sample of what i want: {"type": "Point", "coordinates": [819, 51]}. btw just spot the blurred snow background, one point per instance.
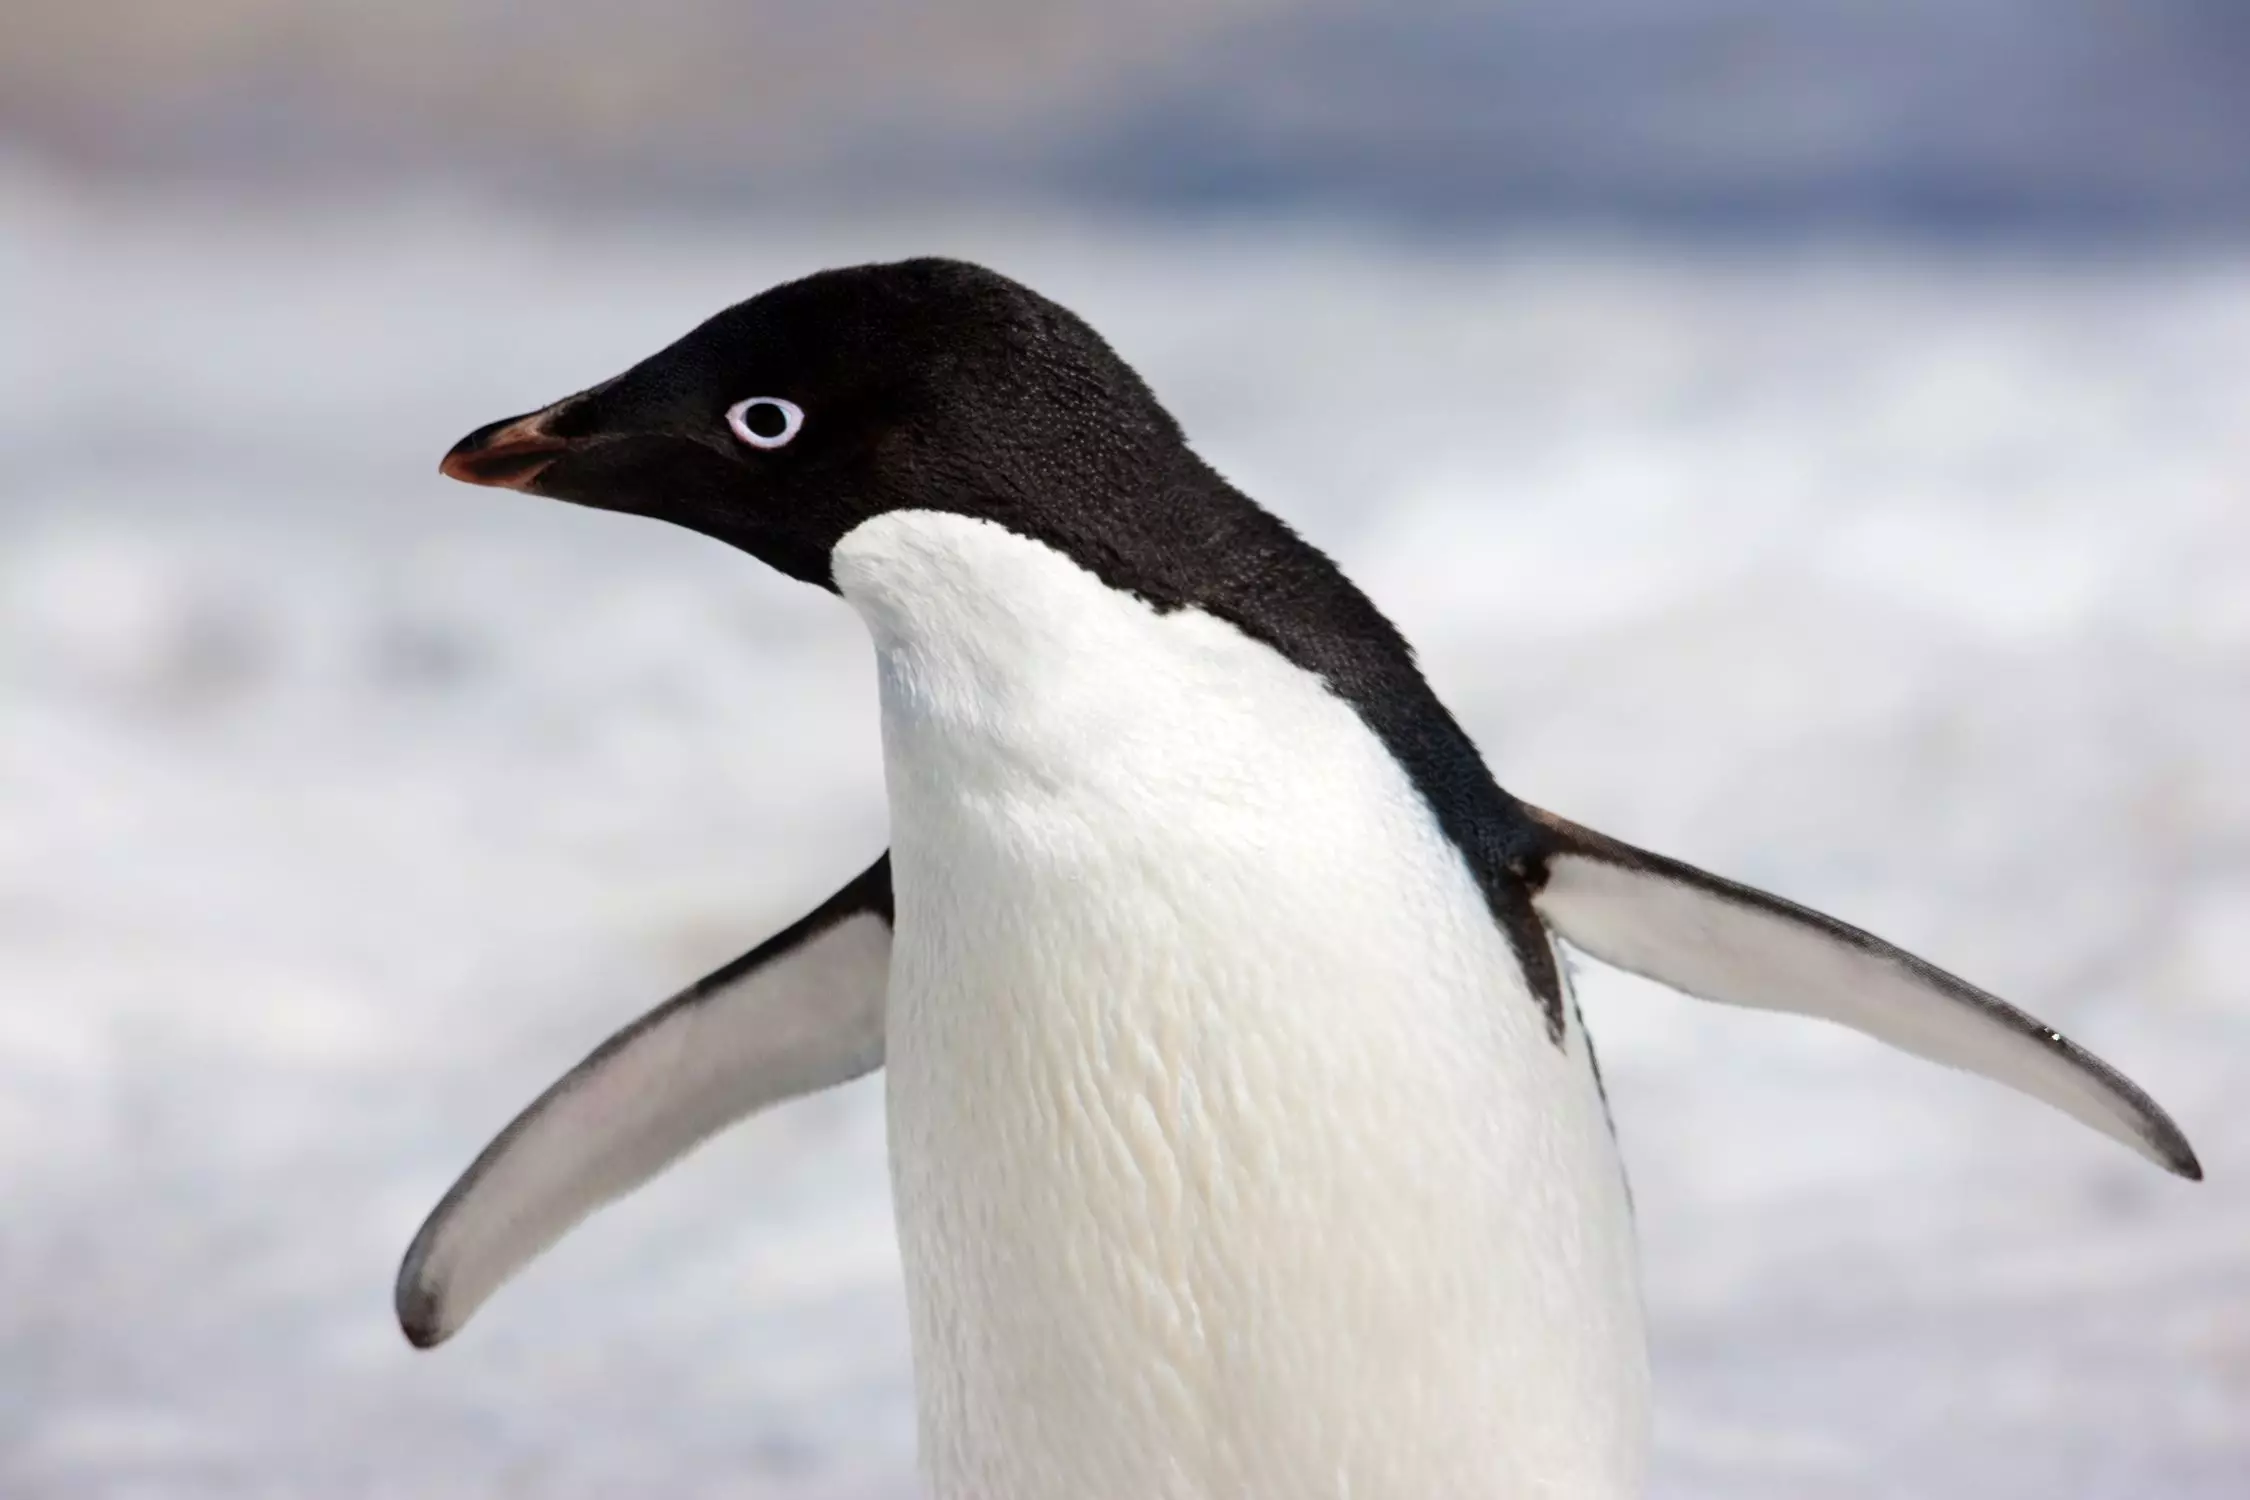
{"type": "Point", "coordinates": [1809, 438]}
{"type": "Point", "coordinates": [341, 808]}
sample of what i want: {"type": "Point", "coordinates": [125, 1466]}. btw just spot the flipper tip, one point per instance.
{"type": "Point", "coordinates": [421, 1315]}
{"type": "Point", "coordinates": [2179, 1156]}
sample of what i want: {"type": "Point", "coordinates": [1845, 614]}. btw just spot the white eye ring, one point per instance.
{"type": "Point", "coordinates": [738, 420]}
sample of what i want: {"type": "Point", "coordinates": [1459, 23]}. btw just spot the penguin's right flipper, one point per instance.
{"type": "Point", "coordinates": [800, 1012]}
{"type": "Point", "coordinates": [1717, 940]}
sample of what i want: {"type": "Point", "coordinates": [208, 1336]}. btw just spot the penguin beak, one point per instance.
{"type": "Point", "coordinates": [508, 454]}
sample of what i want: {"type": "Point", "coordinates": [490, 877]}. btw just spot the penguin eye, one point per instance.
{"type": "Point", "coordinates": [765, 421]}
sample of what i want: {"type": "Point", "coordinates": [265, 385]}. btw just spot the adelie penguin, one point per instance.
{"type": "Point", "coordinates": [1244, 1138]}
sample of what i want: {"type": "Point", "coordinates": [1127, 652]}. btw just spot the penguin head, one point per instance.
{"type": "Point", "coordinates": [785, 421]}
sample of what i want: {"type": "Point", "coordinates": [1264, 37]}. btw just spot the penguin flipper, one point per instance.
{"type": "Point", "coordinates": [800, 1012]}
{"type": "Point", "coordinates": [1717, 940]}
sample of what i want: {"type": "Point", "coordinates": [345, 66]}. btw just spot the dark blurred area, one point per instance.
{"type": "Point", "coordinates": [1978, 115]}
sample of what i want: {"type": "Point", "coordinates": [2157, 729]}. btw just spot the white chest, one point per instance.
{"type": "Point", "coordinates": [1231, 1157]}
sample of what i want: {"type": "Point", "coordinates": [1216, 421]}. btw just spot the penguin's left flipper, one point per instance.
{"type": "Point", "coordinates": [802, 1011]}
{"type": "Point", "coordinates": [1717, 940]}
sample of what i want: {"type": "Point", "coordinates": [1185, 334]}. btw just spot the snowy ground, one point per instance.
{"type": "Point", "coordinates": [340, 809]}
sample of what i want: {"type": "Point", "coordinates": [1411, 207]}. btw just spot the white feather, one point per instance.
{"type": "Point", "coordinates": [1231, 1154]}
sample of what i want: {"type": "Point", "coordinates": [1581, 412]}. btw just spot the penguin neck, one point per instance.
{"type": "Point", "coordinates": [982, 628]}
{"type": "Point", "coordinates": [994, 651]}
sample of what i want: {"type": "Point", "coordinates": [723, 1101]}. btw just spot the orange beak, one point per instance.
{"type": "Point", "coordinates": [508, 454]}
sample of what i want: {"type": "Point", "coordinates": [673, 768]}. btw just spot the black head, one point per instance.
{"type": "Point", "coordinates": [785, 421]}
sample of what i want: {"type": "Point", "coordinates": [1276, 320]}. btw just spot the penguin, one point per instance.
{"type": "Point", "coordinates": [1245, 1139]}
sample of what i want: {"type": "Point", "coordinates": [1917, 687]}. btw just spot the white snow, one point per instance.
{"type": "Point", "coordinates": [342, 808]}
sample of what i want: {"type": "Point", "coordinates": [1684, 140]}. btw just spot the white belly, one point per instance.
{"type": "Point", "coordinates": [1232, 1158]}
